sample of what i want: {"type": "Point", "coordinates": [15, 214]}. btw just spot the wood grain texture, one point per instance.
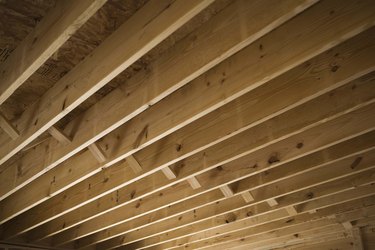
{"type": "Point", "coordinates": [89, 76]}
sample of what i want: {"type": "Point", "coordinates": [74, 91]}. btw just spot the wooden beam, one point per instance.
{"type": "Point", "coordinates": [8, 127]}
{"type": "Point", "coordinates": [222, 207]}
{"type": "Point", "coordinates": [169, 173]}
{"type": "Point", "coordinates": [97, 152]}
{"type": "Point", "coordinates": [288, 78]}
{"type": "Point", "coordinates": [323, 239]}
{"type": "Point", "coordinates": [235, 150]}
{"type": "Point", "coordinates": [252, 115]}
{"type": "Point", "coordinates": [301, 182]}
{"type": "Point", "coordinates": [229, 231]}
{"type": "Point", "coordinates": [194, 183]}
{"type": "Point", "coordinates": [250, 122]}
{"type": "Point", "coordinates": [59, 135]}
{"type": "Point", "coordinates": [48, 36]}
{"type": "Point", "coordinates": [286, 184]}
{"type": "Point", "coordinates": [227, 191]}
{"type": "Point", "coordinates": [158, 19]}
{"type": "Point", "coordinates": [297, 231]}
{"type": "Point", "coordinates": [134, 164]}
{"type": "Point", "coordinates": [173, 64]}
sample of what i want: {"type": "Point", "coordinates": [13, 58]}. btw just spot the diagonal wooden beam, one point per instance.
{"type": "Point", "coordinates": [251, 234]}
{"type": "Point", "coordinates": [129, 226]}
{"type": "Point", "coordinates": [111, 217]}
{"type": "Point", "coordinates": [254, 117]}
{"type": "Point", "coordinates": [322, 101]}
{"type": "Point", "coordinates": [157, 19]}
{"type": "Point", "coordinates": [167, 73]}
{"type": "Point", "coordinates": [54, 30]}
{"type": "Point", "coordinates": [205, 224]}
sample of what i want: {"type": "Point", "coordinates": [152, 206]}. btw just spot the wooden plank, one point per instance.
{"type": "Point", "coordinates": [97, 152]}
{"type": "Point", "coordinates": [228, 231]}
{"type": "Point", "coordinates": [193, 166]}
{"type": "Point", "coordinates": [242, 186]}
{"type": "Point", "coordinates": [157, 19]}
{"type": "Point", "coordinates": [169, 173]}
{"type": "Point", "coordinates": [233, 231]}
{"type": "Point", "coordinates": [193, 182]}
{"type": "Point", "coordinates": [134, 164]}
{"type": "Point", "coordinates": [361, 56]}
{"type": "Point", "coordinates": [298, 232]}
{"type": "Point", "coordinates": [59, 135]}
{"type": "Point", "coordinates": [8, 127]}
{"type": "Point", "coordinates": [302, 181]}
{"type": "Point", "coordinates": [49, 35]}
{"type": "Point", "coordinates": [224, 206]}
{"type": "Point", "coordinates": [327, 240]}
{"type": "Point", "coordinates": [124, 182]}
{"type": "Point", "coordinates": [168, 73]}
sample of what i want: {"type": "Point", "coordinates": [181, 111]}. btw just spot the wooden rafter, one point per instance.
{"type": "Point", "coordinates": [255, 130]}
{"type": "Point", "coordinates": [250, 134]}
{"type": "Point", "coordinates": [366, 63]}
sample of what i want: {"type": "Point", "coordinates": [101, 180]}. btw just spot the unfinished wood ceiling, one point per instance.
{"type": "Point", "coordinates": [187, 124]}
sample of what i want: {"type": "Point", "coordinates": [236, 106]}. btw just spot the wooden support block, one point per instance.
{"type": "Point", "coordinates": [134, 164]}
{"type": "Point", "coordinates": [8, 128]}
{"type": "Point", "coordinates": [247, 196]}
{"type": "Point", "coordinates": [272, 202]}
{"type": "Point", "coordinates": [347, 225]}
{"type": "Point", "coordinates": [97, 152]}
{"type": "Point", "coordinates": [59, 135]}
{"type": "Point", "coordinates": [168, 172]}
{"type": "Point", "coordinates": [227, 191]}
{"type": "Point", "coordinates": [291, 210]}
{"type": "Point", "coordinates": [194, 183]}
